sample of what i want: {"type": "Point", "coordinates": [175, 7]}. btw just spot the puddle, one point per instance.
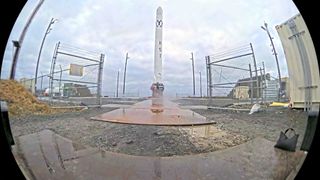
{"type": "Point", "coordinates": [203, 131]}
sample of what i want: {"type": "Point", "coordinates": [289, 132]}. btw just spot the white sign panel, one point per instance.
{"type": "Point", "coordinates": [76, 70]}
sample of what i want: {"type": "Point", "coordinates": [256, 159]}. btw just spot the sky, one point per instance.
{"type": "Point", "coordinates": [117, 27]}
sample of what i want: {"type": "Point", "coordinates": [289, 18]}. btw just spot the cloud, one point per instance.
{"type": "Point", "coordinates": [117, 27]}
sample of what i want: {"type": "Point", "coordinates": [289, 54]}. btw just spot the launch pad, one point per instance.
{"type": "Point", "coordinates": [149, 113]}
{"type": "Point", "coordinates": [157, 110]}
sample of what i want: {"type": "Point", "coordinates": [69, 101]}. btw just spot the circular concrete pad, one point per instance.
{"type": "Point", "coordinates": [145, 113]}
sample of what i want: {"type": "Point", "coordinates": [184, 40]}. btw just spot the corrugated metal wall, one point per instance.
{"type": "Point", "coordinates": [302, 62]}
{"type": "Point", "coordinates": [271, 91]}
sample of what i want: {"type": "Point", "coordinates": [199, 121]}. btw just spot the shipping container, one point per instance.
{"type": "Point", "coordinates": [301, 61]}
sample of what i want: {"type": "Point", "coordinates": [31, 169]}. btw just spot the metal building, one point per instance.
{"type": "Point", "coordinates": [302, 62]}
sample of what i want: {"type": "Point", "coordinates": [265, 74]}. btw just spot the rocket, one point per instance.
{"type": "Point", "coordinates": [158, 47]}
{"type": "Point", "coordinates": [157, 86]}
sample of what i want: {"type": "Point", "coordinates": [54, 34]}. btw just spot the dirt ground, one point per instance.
{"type": "Point", "coordinates": [21, 102]}
{"type": "Point", "coordinates": [268, 123]}
{"type": "Point", "coordinates": [231, 128]}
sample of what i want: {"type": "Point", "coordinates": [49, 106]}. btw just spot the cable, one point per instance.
{"type": "Point", "coordinates": [94, 55]}
{"type": "Point", "coordinates": [80, 49]}
{"type": "Point", "coordinates": [232, 50]}
{"type": "Point", "coordinates": [85, 55]}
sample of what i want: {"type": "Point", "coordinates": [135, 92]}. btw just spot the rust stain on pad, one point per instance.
{"type": "Point", "coordinates": [146, 113]}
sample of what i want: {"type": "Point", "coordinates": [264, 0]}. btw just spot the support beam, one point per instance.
{"type": "Point", "coordinates": [234, 57]}
{"type": "Point", "coordinates": [124, 75]}
{"type": "Point", "coordinates": [209, 77]}
{"type": "Point", "coordinates": [193, 78]}
{"type": "Point", "coordinates": [232, 67]}
{"type": "Point", "coordinates": [67, 80]}
{"type": "Point", "coordinates": [200, 89]}
{"type": "Point", "coordinates": [99, 81]}
{"type": "Point", "coordinates": [235, 82]}
{"type": "Point", "coordinates": [256, 71]}
{"type": "Point", "coordinates": [81, 57]}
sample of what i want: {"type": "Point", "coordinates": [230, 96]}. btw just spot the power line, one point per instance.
{"type": "Point", "coordinates": [233, 48]}
{"type": "Point", "coordinates": [231, 52]}
{"type": "Point", "coordinates": [80, 51]}
{"type": "Point", "coordinates": [77, 48]}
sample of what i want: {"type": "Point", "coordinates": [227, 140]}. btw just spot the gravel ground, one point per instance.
{"type": "Point", "coordinates": [129, 139]}
{"type": "Point", "coordinates": [204, 101]}
{"type": "Point", "coordinates": [267, 123]}
{"type": "Point", "coordinates": [232, 128]}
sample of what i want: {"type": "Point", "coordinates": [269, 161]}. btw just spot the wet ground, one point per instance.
{"type": "Point", "coordinates": [47, 155]}
{"type": "Point", "coordinates": [123, 138]}
{"type": "Point", "coordinates": [231, 128]}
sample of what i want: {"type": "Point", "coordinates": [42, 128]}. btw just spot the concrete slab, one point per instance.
{"type": "Point", "coordinates": [147, 114]}
{"type": "Point", "coordinates": [42, 157]}
{"type": "Point", "coordinates": [257, 159]}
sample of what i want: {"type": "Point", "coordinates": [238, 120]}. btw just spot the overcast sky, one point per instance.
{"type": "Point", "coordinates": [115, 27]}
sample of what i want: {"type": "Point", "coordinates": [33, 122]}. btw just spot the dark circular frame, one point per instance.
{"type": "Point", "coordinates": [12, 9]}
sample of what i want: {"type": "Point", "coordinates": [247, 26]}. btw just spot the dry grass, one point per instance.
{"type": "Point", "coordinates": [21, 102]}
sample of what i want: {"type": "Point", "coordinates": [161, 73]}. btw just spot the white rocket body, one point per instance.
{"type": "Point", "coordinates": [158, 48]}
{"type": "Point", "coordinates": [157, 86]}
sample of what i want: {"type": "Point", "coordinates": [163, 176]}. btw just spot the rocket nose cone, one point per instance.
{"type": "Point", "coordinates": [159, 10]}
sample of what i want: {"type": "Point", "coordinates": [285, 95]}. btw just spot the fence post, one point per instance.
{"type": "Point", "coordinates": [251, 84]}
{"type": "Point", "coordinates": [100, 80]}
{"type": "Point", "coordinates": [256, 73]}
{"type": "Point", "coordinates": [207, 74]}
{"type": "Point", "coordinates": [261, 87]}
{"type": "Point", "coordinates": [265, 82]}
{"type": "Point", "coordinates": [53, 63]}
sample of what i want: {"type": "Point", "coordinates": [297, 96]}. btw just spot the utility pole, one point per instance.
{"type": "Point", "coordinates": [18, 43]}
{"type": "Point", "coordinates": [60, 80]}
{"type": "Point", "coordinates": [37, 67]}
{"type": "Point", "coordinates": [265, 28]}
{"type": "Point", "coordinates": [194, 85]}
{"type": "Point", "coordinates": [124, 75]}
{"type": "Point", "coordinates": [200, 84]}
{"type": "Point", "coordinates": [118, 83]}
